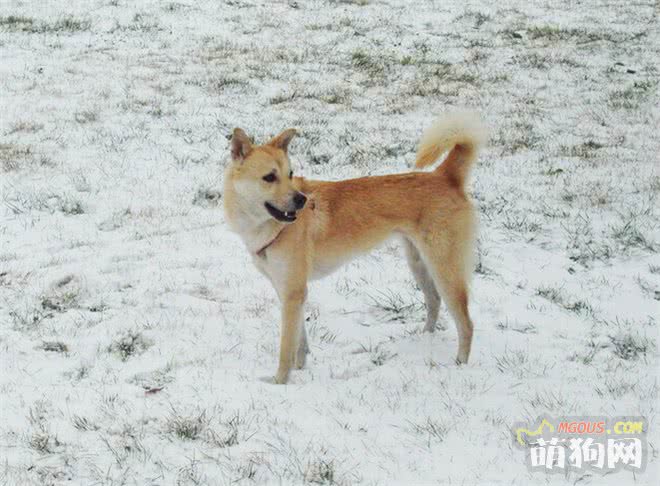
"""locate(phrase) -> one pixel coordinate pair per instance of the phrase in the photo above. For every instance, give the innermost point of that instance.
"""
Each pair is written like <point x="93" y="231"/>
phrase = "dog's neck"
<point x="258" y="237"/>
<point x="261" y="252"/>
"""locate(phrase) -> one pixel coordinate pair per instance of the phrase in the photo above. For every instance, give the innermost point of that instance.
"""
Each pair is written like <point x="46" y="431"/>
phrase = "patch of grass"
<point x="555" y="33"/>
<point x="569" y="62"/>
<point x="368" y="63"/>
<point x="477" y="18"/>
<point x="37" y="201"/>
<point x="520" y="364"/>
<point x="207" y="197"/>
<point x="320" y="472"/>
<point x="582" y="245"/>
<point x="80" y="181"/>
<point x="585" y="150"/>
<point x="284" y="98"/>
<point x="532" y="60"/>
<point x="557" y="296"/>
<point x="587" y="357"/>
<point x="217" y="83"/>
<point x="512" y="361"/>
<point x="155" y="379"/>
<point x="14" y="157"/>
<point x="140" y="23"/>
<point x="614" y="389"/>
<point x="229" y="436"/>
<point x="83" y="423"/>
<point x="80" y="372"/>
<point x="600" y="195"/>
<point x="27" y="317"/>
<point x="335" y="96"/>
<point x="516" y="327"/>
<point x="521" y="223"/>
<point x="630" y="346"/>
<point x="579" y="307"/>
<point x="418" y="56"/>
<point x="150" y="106"/>
<point x="43" y="442"/>
<point x="550" y="401"/>
<point x="379" y="356"/>
<point x="392" y="303"/>
<point x="553" y="171"/>
<point x="185" y="160"/>
<point x="25" y="126"/>
<point x="189" y="427"/>
<point x="632" y="96"/>
<point x="86" y="116"/>
<point x="18" y="23"/>
<point x="629" y="235"/>
<point x="247" y="469"/>
<point x="331" y="96"/>
<point x="519" y="136"/>
<point x="200" y="425"/>
<point x="63" y="295"/>
<point x="67" y="24"/>
<point x="480" y="266"/>
<point x="326" y="335"/>
<point x="172" y="6"/>
<point x="552" y="294"/>
<point x="70" y="206"/>
<point x="129" y="344"/>
<point x="55" y="346"/>
<point x="441" y="79"/>
<point x="434" y="430"/>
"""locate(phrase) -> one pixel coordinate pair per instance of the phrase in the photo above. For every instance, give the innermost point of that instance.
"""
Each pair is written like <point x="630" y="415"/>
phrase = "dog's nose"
<point x="299" y="200"/>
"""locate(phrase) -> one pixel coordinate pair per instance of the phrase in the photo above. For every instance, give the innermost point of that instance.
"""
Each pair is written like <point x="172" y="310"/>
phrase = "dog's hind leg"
<point x="424" y="282"/>
<point x="448" y="255"/>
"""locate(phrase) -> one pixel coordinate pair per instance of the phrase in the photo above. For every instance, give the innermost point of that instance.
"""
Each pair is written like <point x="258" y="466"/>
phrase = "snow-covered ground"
<point x="134" y="330"/>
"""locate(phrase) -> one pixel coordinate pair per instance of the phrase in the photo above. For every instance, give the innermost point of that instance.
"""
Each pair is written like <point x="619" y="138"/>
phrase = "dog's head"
<point x="263" y="179"/>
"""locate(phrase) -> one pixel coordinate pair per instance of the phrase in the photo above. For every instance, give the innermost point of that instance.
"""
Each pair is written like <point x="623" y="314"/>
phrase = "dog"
<point x="297" y="229"/>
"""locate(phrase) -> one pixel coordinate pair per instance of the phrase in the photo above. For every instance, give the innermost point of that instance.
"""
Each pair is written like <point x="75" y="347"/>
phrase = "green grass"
<point x="19" y="23"/>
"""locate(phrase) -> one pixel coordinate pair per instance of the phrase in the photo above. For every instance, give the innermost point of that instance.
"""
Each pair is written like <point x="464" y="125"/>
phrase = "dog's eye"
<point x="290" y="174"/>
<point x="270" y="177"/>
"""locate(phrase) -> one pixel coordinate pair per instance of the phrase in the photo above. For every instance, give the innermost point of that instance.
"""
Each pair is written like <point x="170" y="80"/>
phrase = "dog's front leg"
<point x="292" y="309"/>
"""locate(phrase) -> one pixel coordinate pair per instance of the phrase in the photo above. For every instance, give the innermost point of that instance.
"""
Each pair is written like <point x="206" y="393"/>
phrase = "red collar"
<point x="262" y="250"/>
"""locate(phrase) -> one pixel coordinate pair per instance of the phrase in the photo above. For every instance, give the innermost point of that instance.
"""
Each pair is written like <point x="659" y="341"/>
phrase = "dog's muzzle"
<point x="298" y="202"/>
<point x="284" y="216"/>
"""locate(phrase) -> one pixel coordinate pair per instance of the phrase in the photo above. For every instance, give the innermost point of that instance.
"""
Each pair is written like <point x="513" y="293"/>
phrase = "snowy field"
<point x="134" y="330"/>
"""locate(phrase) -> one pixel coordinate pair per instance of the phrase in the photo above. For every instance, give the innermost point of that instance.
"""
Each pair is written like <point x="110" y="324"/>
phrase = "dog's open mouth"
<point x="284" y="216"/>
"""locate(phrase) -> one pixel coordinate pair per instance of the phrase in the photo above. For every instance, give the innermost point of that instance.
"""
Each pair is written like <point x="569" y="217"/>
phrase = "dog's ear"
<point x="240" y="145"/>
<point x="283" y="139"/>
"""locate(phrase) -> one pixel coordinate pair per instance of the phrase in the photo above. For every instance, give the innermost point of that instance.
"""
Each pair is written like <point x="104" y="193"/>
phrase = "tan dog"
<point x="297" y="229"/>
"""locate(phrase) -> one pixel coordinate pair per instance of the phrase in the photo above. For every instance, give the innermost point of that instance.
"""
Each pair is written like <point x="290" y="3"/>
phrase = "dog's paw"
<point x="435" y="326"/>
<point x="281" y="377"/>
<point x="272" y="380"/>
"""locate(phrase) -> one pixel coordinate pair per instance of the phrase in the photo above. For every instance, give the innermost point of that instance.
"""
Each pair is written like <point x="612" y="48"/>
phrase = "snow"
<point x="134" y="331"/>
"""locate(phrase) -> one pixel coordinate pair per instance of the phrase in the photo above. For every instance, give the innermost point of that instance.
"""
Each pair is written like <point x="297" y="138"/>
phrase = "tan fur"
<point x="342" y="219"/>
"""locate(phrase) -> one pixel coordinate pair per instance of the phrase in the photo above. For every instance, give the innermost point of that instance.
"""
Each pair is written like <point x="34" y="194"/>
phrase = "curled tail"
<point x="461" y="132"/>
